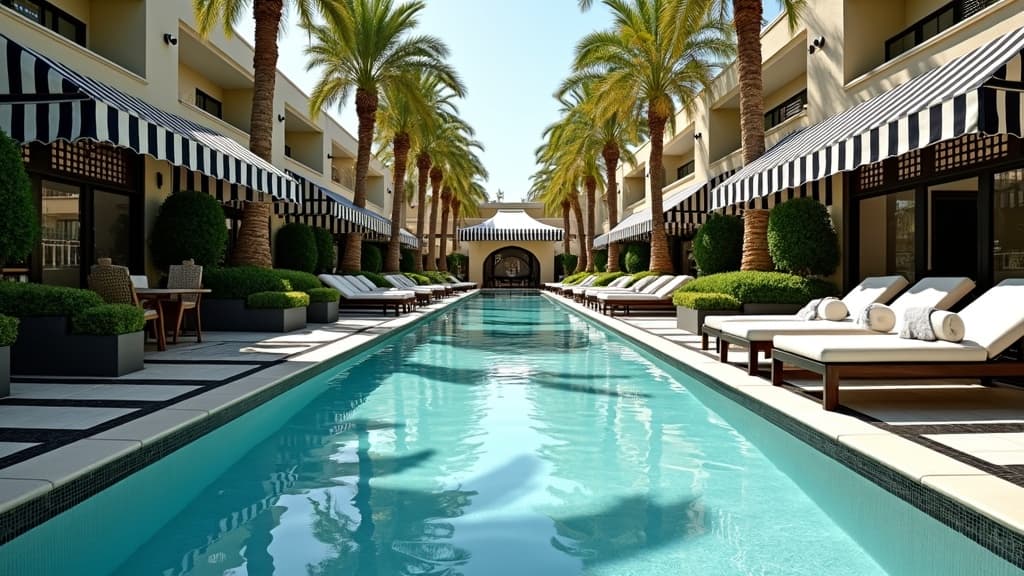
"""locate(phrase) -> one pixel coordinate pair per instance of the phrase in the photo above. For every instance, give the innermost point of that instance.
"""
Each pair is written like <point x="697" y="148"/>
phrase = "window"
<point x="208" y="104"/>
<point x="786" y="110"/>
<point x="45" y="14"/>
<point x="288" y="151"/>
<point x="684" y="170"/>
<point x="933" y="24"/>
<point x="1007" y="227"/>
<point x="887" y="235"/>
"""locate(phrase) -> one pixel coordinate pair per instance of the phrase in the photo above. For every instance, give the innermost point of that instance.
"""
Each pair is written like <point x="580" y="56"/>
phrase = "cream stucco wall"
<point x="479" y="251"/>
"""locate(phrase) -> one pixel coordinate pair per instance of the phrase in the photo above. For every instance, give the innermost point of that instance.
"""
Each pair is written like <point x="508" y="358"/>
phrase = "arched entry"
<point x="511" y="267"/>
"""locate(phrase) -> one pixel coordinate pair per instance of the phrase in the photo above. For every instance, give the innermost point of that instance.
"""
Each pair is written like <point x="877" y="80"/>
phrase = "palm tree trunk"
<point x="661" y="261"/>
<point x="401" y="147"/>
<point x="747" y="21"/>
<point x="423" y="165"/>
<point x="590" y="184"/>
<point x="436" y="175"/>
<point x="581" y="261"/>
<point x="446" y="202"/>
<point x="611" y="163"/>
<point x="366" y="110"/>
<point x="252" y="247"/>
<point x="456" y="208"/>
<point x="267" y="16"/>
<point x="566" y="245"/>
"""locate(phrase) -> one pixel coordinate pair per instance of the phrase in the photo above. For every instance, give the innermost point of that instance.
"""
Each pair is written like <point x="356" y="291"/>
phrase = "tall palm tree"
<point x="438" y="140"/>
<point x="648" y="64"/>
<point x="466" y="203"/>
<point x="366" y="46"/>
<point x="462" y="169"/>
<point x="556" y="184"/>
<point x="452" y="158"/>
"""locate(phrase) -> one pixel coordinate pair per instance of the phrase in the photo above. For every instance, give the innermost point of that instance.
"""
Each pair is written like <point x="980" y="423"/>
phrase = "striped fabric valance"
<point x="511" y="226"/>
<point x="42" y="100"/>
<point x="979" y="92"/>
<point x="682" y="210"/>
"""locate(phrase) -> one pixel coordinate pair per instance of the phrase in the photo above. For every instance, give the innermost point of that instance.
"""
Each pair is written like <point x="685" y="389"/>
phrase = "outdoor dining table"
<point x="169" y="301"/>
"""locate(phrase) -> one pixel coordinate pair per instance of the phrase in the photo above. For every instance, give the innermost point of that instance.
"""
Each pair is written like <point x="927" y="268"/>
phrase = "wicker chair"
<point x="186" y="275"/>
<point x="114" y="285"/>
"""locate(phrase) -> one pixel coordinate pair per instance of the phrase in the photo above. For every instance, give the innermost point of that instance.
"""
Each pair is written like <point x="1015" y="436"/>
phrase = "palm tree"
<point x="438" y="139"/>
<point x="557" y="187"/>
<point x="649" y="63"/>
<point x="367" y="46"/>
<point x="462" y="168"/>
<point x="466" y="203"/>
<point x="449" y="155"/>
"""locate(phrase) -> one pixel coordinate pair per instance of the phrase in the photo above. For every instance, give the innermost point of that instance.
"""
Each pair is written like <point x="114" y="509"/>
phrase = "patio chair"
<point x="351" y="297"/>
<point x="940" y="293"/>
<point x="364" y="284"/>
<point x="114" y="285"/>
<point x="873" y="290"/>
<point x="660" y="299"/>
<point x="186" y="275"/>
<point x="556" y="286"/>
<point x="992" y="324"/>
<point x="403" y="282"/>
<point x="578" y="292"/>
<point x="459" y="284"/>
<point x="645" y="285"/>
<point x="566" y="290"/>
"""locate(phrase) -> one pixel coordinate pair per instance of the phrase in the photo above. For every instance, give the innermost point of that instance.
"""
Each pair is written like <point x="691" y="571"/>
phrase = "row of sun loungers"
<point x="648" y="293"/>
<point x="357" y="291"/>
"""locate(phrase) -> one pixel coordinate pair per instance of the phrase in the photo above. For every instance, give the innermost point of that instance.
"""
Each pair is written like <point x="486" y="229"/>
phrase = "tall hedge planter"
<point x="693" y="307"/>
<point x="8" y="334"/>
<point x="234" y="316"/>
<point x="44" y="339"/>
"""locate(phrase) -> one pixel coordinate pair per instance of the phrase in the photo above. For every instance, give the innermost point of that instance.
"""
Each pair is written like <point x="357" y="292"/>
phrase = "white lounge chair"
<point x="459" y="284"/>
<point x="352" y="297"/>
<point x="645" y="285"/>
<point x="578" y="292"/>
<point x="557" y="286"/>
<point x="661" y="299"/>
<point x="403" y="282"/>
<point x="567" y="289"/>
<point x="992" y="324"/>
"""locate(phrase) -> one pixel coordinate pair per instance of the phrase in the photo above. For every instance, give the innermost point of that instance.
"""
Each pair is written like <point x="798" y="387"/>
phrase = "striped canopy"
<point x="511" y="226"/>
<point x="42" y="100"/>
<point x="683" y="207"/>
<point x="977" y="93"/>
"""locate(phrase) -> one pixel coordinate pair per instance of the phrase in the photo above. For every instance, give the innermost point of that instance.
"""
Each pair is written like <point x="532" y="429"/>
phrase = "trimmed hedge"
<point x="752" y="287"/>
<point x="436" y="277"/>
<point x="801" y="238"/>
<point x="22" y="300"/>
<point x="299" y="281"/>
<point x="19" y="219"/>
<point x="376" y="278"/>
<point x="326" y="258"/>
<point x="718" y="245"/>
<point x="407" y="261"/>
<point x="8" y="330"/>
<point x="569" y="262"/>
<point x="419" y="279"/>
<point x="640" y="275"/>
<point x="371" y="258"/>
<point x="295" y="247"/>
<point x="108" y="320"/>
<point x="240" y="282"/>
<point x="457" y="261"/>
<point x="636" y="257"/>
<point x="323" y="295"/>
<point x="189" y="225"/>
<point x="600" y="260"/>
<point x="607" y="278"/>
<point x="706" y="301"/>
<point x="575" y="278"/>
<point x="277" y="300"/>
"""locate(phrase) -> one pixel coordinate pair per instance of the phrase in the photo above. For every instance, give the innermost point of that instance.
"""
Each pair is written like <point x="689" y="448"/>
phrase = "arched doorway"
<point x="511" y="267"/>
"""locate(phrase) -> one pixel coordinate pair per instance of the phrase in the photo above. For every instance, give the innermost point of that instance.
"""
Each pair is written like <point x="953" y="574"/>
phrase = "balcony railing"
<point x="61" y="254"/>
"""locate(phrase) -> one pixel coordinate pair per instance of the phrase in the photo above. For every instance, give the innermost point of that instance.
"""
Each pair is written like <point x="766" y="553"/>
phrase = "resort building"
<point x="121" y="103"/>
<point x="514" y="244"/>
<point x="903" y="117"/>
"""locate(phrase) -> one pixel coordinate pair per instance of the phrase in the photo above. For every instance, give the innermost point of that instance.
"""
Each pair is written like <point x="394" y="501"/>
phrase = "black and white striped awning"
<point x="511" y="226"/>
<point x="977" y="93"/>
<point x="683" y="209"/>
<point x="42" y="100"/>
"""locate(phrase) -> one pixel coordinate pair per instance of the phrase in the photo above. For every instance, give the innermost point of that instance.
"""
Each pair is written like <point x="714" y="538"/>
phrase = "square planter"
<point x="771" y="308"/>
<point x="5" y="371"/>
<point x="40" y="347"/>
<point x="692" y="320"/>
<point x="106" y="355"/>
<point x="232" y="315"/>
<point x="322" y="313"/>
<point x="44" y="346"/>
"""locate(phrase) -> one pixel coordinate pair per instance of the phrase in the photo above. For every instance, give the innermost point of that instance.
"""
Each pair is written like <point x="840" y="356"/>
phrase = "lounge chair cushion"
<point x="874" y="289"/>
<point x="716" y="322"/>
<point x="879" y="348"/>
<point x="766" y="331"/>
<point x="996" y="319"/>
<point x="939" y="292"/>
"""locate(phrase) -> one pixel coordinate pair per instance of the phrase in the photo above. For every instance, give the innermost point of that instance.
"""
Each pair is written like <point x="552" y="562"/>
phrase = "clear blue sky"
<point x="511" y="54"/>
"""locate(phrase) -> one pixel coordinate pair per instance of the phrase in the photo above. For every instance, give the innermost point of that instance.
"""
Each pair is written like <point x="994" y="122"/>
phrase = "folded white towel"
<point x="832" y="309"/>
<point x="917" y="324"/>
<point x="877" y="317"/>
<point x="947" y="326"/>
<point x="809" y="311"/>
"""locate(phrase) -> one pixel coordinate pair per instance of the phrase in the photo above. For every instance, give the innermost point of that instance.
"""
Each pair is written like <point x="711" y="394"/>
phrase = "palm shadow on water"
<point x="545" y="379"/>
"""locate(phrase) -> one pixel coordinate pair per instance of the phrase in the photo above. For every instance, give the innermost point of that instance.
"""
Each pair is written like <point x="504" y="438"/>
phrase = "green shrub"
<point x="575" y="278"/>
<point x="8" y="330"/>
<point x="636" y="257"/>
<point x="407" y="263"/>
<point x="706" y="301"/>
<point x="600" y="260"/>
<point x="295" y="248"/>
<point x="372" y="259"/>
<point x="108" y="320"/>
<point x="457" y="262"/>
<point x="22" y="300"/>
<point x="436" y="276"/>
<point x="323" y="295"/>
<point x="277" y="300"/>
<point x="607" y="278"/>
<point x="326" y="258"/>
<point x="296" y="280"/>
<point x="240" y="282"/>
<point x="641" y="275"/>
<point x="378" y="279"/>
<point x="718" y="245"/>
<point x="19" y="222"/>
<point x="189" y="225"/>
<point x="752" y="287"/>
<point x="801" y="238"/>
<point x="419" y="279"/>
<point x="569" y="263"/>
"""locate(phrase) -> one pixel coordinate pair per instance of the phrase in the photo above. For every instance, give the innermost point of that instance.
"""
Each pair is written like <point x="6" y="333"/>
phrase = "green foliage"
<point x="8" y="330"/>
<point x="636" y="257"/>
<point x="19" y="222"/>
<point x="108" y="320"/>
<point x="296" y="280"/>
<point x="326" y="258"/>
<point x="240" y="282"/>
<point x="575" y="278"/>
<point x="640" y="275"/>
<point x="375" y="277"/>
<point x="801" y="238"/>
<point x="607" y="278"/>
<point x="436" y="277"/>
<point x="457" y="261"/>
<point x="189" y="225"/>
<point x="277" y="300"/>
<point x="22" y="300"/>
<point x="600" y="260"/>
<point x="295" y="248"/>
<point x="569" y="263"/>
<point x="407" y="263"/>
<point x="323" y="295"/>
<point x="419" y="279"/>
<point x="718" y="245"/>
<point x="706" y="301"/>
<point x="752" y="287"/>
<point x="372" y="259"/>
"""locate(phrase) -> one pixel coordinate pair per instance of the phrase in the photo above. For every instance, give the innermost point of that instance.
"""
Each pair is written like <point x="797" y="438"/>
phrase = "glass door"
<point x="61" y="238"/>
<point x="112" y="230"/>
<point x="888" y="241"/>
<point x="1008" y="225"/>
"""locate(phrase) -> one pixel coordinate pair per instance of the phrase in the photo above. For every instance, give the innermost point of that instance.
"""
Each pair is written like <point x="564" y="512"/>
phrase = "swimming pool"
<point x="506" y="436"/>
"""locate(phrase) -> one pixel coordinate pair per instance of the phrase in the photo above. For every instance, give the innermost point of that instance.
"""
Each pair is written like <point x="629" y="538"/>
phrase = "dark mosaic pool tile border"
<point x="22" y="518"/>
<point x="995" y="537"/>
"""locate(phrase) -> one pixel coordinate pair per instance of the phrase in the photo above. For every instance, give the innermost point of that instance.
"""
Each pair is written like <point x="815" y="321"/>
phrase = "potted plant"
<point x="693" y="307"/>
<point x="239" y="299"/>
<point x="763" y="292"/>
<point x="323" y="306"/>
<point x="107" y="340"/>
<point x="8" y="334"/>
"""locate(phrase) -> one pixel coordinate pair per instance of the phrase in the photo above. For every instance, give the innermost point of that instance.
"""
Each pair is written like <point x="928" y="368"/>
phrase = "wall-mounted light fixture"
<point x="697" y="135"/>
<point x="816" y="44"/>
<point x="330" y="156"/>
<point x="170" y="39"/>
<point x="280" y="117"/>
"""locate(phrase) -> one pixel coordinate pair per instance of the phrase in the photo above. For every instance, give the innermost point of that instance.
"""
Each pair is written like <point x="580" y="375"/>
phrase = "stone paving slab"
<point x="58" y="417"/>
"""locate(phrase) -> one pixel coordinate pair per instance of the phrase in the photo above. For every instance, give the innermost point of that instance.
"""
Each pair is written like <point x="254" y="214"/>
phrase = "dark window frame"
<point x="960" y="9"/>
<point x="50" y="17"/>
<point x="792" y="107"/>
<point x="685" y="169"/>
<point x="204" y="102"/>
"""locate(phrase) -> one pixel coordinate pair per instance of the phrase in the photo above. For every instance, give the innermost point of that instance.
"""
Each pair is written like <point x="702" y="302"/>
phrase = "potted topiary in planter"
<point x="107" y="340"/>
<point x="295" y="248"/>
<point x="323" y="306"/>
<point x="276" y="311"/>
<point x="188" y="226"/>
<point x="230" y="306"/>
<point x="718" y="245"/>
<point x="8" y="334"/>
<point x="693" y="307"/>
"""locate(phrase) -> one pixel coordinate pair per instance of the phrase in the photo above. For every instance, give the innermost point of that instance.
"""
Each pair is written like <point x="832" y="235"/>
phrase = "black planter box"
<point x="44" y="346"/>
<point x="693" y="320"/>
<point x="5" y="371"/>
<point x="771" y="308"/>
<point x="233" y="316"/>
<point x="322" y="313"/>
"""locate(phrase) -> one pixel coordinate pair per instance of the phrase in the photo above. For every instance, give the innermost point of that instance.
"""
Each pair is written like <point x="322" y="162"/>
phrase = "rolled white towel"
<point x="877" y="317"/>
<point x="948" y="326"/>
<point x="832" y="309"/>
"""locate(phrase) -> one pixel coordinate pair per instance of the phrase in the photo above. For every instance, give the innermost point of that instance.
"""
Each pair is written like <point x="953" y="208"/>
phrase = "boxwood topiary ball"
<point x="189" y="225"/>
<point x="295" y="248"/>
<point x="801" y="238"/>
<point x="718" y="245"/>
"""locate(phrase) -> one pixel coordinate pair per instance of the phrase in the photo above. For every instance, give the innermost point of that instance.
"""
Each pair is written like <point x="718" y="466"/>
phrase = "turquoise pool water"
<point x="507" y="436"/>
